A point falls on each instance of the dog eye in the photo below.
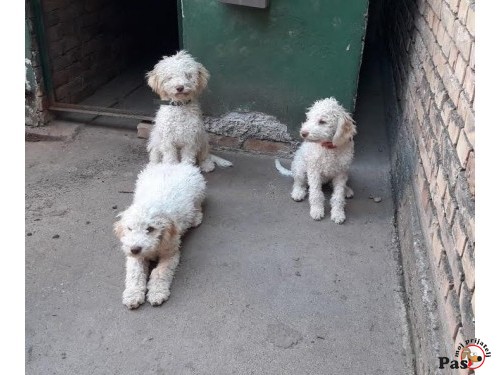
(150, 229)
(129, 228)
(189, 75)
(322, 122)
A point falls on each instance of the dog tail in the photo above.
(281, 169)
(220, 161)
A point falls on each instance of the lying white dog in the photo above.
(178, 132)
(167, 201)
(324, 156)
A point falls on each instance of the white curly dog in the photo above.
(178, 132)
(324, 156)
(167, 201)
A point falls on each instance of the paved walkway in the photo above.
(261, 288)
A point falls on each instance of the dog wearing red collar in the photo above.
(324, 157)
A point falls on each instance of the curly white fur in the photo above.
(325, 156)
(178, 132)
(167, 201)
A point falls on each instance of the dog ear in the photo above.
(171, 230)
(345, 132)
(154, 81)
(170, 236)
(203, 77)
(118, 229)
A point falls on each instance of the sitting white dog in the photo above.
(178, 132)
(167, 201)
(324, 156)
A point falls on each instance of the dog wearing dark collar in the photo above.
(178, 134)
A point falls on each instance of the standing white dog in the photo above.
(178, 132)
(324, 156)
(167, 201)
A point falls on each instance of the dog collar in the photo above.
(328, 145)
(172, 102)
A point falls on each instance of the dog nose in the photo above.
(136, 250)
(179, 88)
(304, 134)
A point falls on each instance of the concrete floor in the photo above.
(261, 288)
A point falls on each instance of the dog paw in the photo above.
(338, 217)
(197, 220)
(299, 194)
(207, 166)
(349, 193)
(317, 213)
(156, 296)
(133, 298)
(224, 163)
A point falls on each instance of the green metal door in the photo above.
(277, 60)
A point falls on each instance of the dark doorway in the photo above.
(98, 51)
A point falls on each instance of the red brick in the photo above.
(452, 58)
(452, 85)
(444, 276)
(49, 5)
(459, 339)
(224, 141)
(470, 173)
(464, 109)
(435, 24)
(463, 10)
(266, 147)
(450, 206)
(429, 16)
(463, 39)
(465, 303)
(470, 129)
(454, 130)
(446, 111)
(441, 30)
(447, 18)
(471, 21)
(472, 59)
(419, 106)
(469, 268)
(463, 149)
(459, 237)
(437, 246)
(460, 68)
(473, 302)
(435, 5)
(144, 129)
(452, 314)
(441, 183)
(469, 83)
(425, 203)
(441, 96)
(470, 227)
(440, 61)
(454, 4)
(426, 163)
(53, 33)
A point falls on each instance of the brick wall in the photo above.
(431, 52)
(86, 44)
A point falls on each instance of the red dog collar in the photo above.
(328, 145)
